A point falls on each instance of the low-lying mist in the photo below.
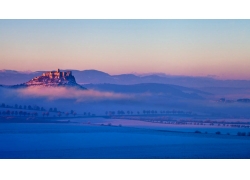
(70, 98)
(98, 101)
(55, 93)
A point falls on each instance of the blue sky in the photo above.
(178, 47)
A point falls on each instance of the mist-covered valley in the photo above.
(99, 98)
(102, 120)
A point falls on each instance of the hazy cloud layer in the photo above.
(53, 93)
(99, 101)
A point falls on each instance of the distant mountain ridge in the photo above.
(9, 77)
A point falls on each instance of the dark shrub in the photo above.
(228, 133)
(241, 134)
(197, 132)
(218, 132)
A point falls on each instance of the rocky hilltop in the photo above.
(53, 79)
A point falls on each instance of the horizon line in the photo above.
(133, 73)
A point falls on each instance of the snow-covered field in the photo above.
(111, 138)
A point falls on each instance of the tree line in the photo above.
(145, 112)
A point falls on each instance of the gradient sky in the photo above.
(177, 47)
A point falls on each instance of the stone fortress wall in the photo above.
(57, 74)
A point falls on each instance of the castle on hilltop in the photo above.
(58, 74)
(53, 79)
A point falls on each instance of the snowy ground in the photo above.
(104, 138)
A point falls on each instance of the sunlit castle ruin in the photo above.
(54, 78)
(57, 74)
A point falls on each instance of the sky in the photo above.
(218, 48)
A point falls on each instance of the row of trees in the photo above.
(165, 112)
(243, 134)
(34, 107)
(88, 114)
(18, 113)
(238, 134)
(24, 113)
(29, 107)
(59, 114)
(121, 112)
